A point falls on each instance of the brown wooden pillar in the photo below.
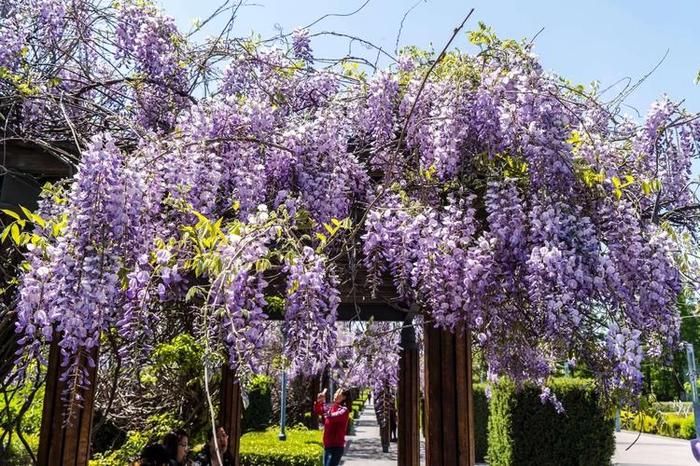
(314, 389)
(64, 438)
(384, 427)
(409, 439)
(231, 411)
(448, 393)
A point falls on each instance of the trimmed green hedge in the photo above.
(523, 431)
(481, 421)
(350, 429)
(302, 448)
(258, 415)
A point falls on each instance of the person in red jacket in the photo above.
(335, 424)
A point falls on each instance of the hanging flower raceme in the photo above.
(310, 311)
(301, 45)
(76, 274)
(148, 40)
(237, 298)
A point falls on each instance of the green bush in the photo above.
(481, 421)
(524, 431)
(687, 430)
(157, 427)
(667, 424)
(16, 453)
(302, 448)
(671, 425)
(639, 422)
(258, 415)
(12, 403)
(128, 452)
(650, 425)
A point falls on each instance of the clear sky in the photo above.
(605, 40)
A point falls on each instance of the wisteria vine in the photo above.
(490, 193)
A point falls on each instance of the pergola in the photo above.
(449, 424)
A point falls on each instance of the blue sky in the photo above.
(583, 41)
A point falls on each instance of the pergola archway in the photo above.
(449, 428)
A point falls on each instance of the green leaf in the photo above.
(202, 218)
(4, 234)
(574, 139)
(191, 293)
(14, 233)
(293, 287)
(27, 212)
(39, 221)
(262, 265)
(331, 231)
(11, 213)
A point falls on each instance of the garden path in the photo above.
(651, 450)
(364, 448)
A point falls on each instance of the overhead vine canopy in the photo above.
(492, 194)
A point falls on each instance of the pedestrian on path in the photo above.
(335, 424)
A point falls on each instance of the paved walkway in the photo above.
(651, 450)
(365, 449)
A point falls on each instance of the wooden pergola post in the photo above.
(448, 398)
(314, 389)
(409, 439)
(66, 441)
(231, 411)
(384, 427)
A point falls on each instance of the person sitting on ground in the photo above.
(209, 457)
(176, 444)
(153, 455)
(335, 424)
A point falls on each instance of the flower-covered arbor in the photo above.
(490, 195)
